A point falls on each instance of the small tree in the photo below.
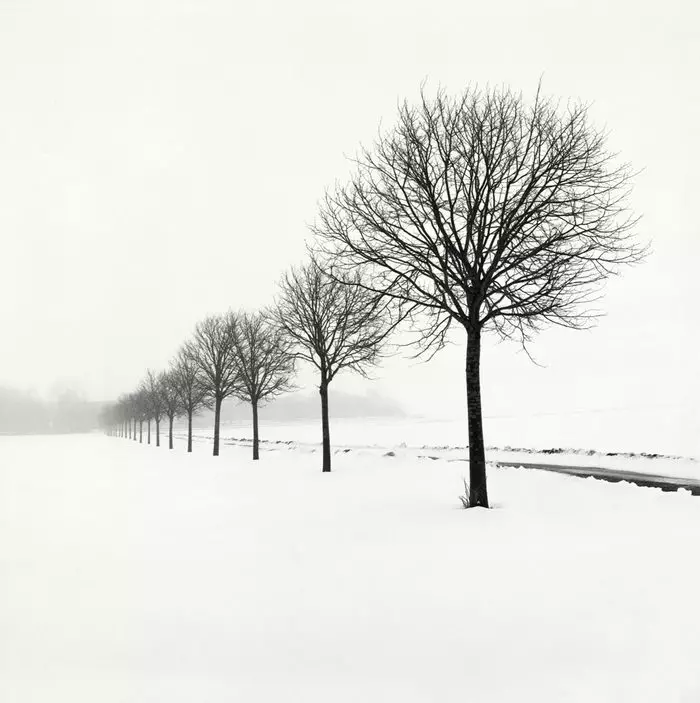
(212, 348)
(123, 412)
(489, 213)
(334, 323)
(145, 405)
(265, 363)
(142, 410)
(189, 386)
(172, 404)
(154, 400)
(129, 413)
(134, 412)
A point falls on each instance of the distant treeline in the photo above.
(22, 412)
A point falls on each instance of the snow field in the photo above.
(133, 574)
(412, 438)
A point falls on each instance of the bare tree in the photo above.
(121, 414)
(189, 386)
(265, 363)
(128, 413)
(172, 404)
(154, 397)
(334, 323)
(213, 349)
(142, 410)
(126, 410)
(133, 400)
(487, 212)
(145, 406)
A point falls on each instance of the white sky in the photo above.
(159, 161)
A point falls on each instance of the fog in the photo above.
(26, 413)
(160, 161)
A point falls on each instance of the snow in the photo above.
(445, 441)
(134, 574)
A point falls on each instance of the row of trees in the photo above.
(483, 211)
(330, 322)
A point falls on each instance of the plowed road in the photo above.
(665, 483)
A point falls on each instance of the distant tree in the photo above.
(189, 385)
(487, 212)
(123, 412)
(134, 410)
(142, 410)
(69, 411)
(172, 404)
(154, 402)
(145, 407)
(334, 323)
(128, 413)
(108, 419)
(212, 348)
(264, 361)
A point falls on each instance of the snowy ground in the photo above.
(445, 441)
(132, 574)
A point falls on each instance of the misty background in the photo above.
(160, 162)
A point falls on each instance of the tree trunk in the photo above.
(217, 422)
(477, 456)
(134, 429)
(157, 432)
(325, 425)
(170, 432)
(149, 430)
(140, 431)
(128, 429)
(256, 440)
(189, 430)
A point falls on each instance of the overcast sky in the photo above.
(159, 161)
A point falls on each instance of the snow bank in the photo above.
(445, 441)
(135, 574)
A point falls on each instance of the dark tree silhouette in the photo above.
(334, 323)
(212, 348)
(172, 404)
(264, 361)
(189, 386)
(487, 212)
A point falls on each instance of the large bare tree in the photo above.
(335, 323)
(486, 211)
(212, 348)
(265, 363)
(189, 386)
